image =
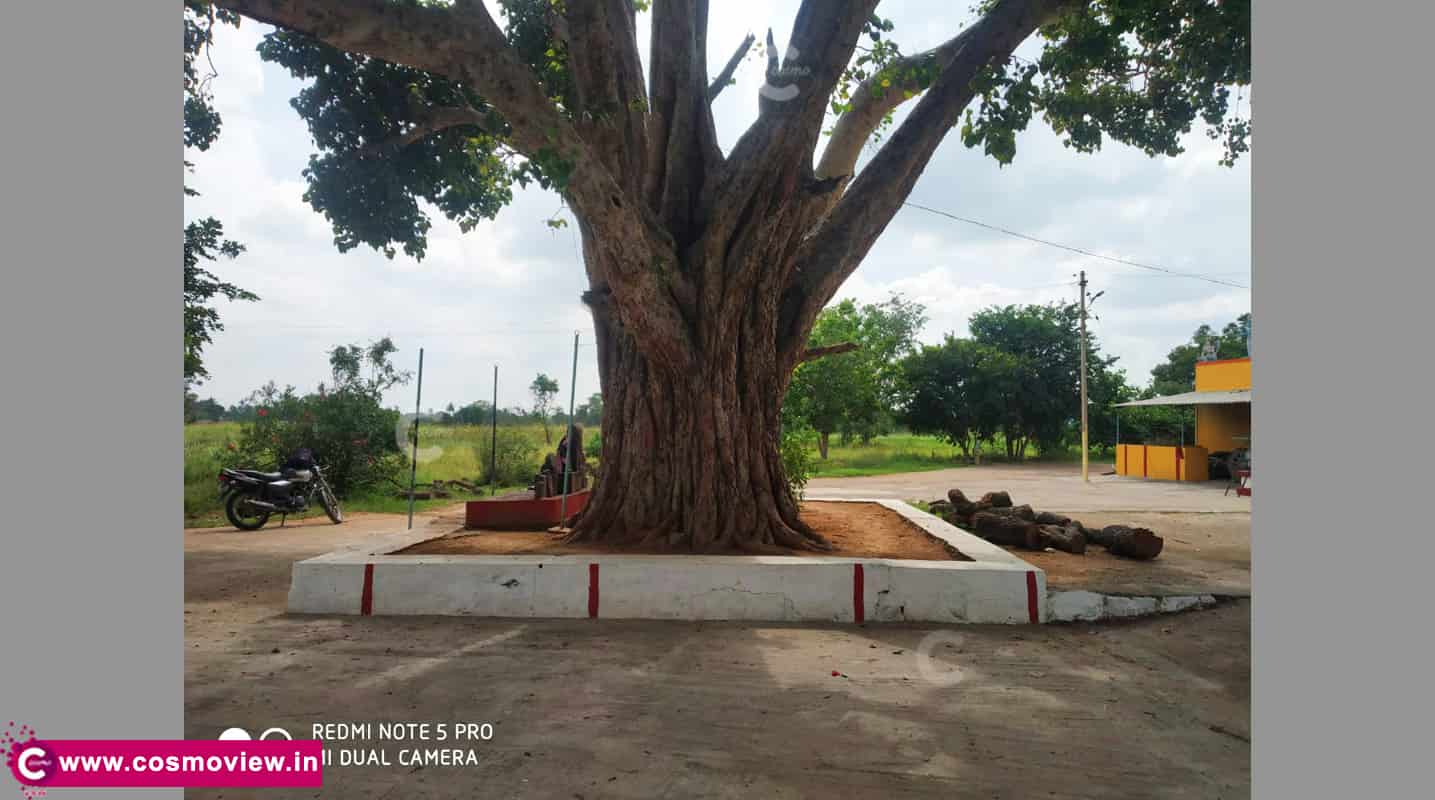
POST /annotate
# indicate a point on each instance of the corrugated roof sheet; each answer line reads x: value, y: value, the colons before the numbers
x: 1195, y: 399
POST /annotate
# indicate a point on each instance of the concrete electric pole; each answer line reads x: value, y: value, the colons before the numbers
x: 1085, y: 476
x: 1085, y: 434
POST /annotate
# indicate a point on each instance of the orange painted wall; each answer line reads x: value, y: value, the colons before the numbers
x: 1224, y: 375
x: 1215, y: 425
x: 1162, y: 463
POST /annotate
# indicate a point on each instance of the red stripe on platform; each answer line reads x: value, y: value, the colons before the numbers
x: 1033, y: 612
x: 366, y: 602
x: 858, y: 594
x: 592, y: 590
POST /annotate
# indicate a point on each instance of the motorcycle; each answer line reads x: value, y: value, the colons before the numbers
x: 251, y: 496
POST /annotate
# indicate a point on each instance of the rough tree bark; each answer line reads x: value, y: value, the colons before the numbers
x: 706, y: 272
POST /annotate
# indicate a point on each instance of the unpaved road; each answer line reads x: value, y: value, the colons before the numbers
x: 1053, y: 487
x: 620, y: 709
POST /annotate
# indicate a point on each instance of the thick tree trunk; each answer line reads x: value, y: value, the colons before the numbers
x: 822, y: 445
x: 693, y: 461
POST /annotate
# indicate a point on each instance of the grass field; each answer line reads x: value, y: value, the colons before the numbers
x: 456, y: 456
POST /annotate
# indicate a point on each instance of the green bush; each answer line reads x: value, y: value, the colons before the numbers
x: 518, y: 457
x: 353, y: 437
x: 593, y: 445
x: 797, y: 447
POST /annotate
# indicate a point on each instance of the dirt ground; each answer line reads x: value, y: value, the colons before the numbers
x: 1158, y: 708
x: 856, y: 530
x: 1203, y: 554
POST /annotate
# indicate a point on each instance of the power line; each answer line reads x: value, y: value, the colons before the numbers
x: 998, y: 229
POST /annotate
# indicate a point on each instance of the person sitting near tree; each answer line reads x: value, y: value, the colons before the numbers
x: 552, y: 471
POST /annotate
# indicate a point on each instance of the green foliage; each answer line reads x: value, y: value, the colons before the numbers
x: 849, y: 393
x: 517, y: 462
x: 593, y: 445
x: 543, y: 389
x: 1016, y: 380
x: 590, y: 411
x: 1178, y: 373
x: 353, y: 437
x: 796, y: 447
x: 960, y: 391
x: 204, y: 241
x: 1046, y: 342
x: 1138, y: 71
x: 201, y: 120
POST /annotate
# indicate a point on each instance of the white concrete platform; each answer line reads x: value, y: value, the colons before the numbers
x: 994, y: 587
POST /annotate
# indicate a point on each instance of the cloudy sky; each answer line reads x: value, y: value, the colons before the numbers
x: 507, y: 292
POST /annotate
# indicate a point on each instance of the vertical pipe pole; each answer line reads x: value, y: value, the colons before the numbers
x: 568, y: 456
x: 493, y: 443
x: 414, y: 465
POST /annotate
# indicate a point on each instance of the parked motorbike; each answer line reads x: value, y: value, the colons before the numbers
x: 251, y: 496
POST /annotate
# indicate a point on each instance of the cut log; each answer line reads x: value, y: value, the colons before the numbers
x: 1069, y: 539
x: 960, y: 502
x: 1101, y: 536
x: 1020, y: 512
x: 940, y: 508
x: 1137, y: 543
x: 1007, y: 530
x: 1048, y: 518
x: 996, y: 499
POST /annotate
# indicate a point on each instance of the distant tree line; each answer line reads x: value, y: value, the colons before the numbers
x: 1012, y: 384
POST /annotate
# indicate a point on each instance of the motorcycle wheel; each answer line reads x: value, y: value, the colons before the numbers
x: 330, y: 502
x: 244, y: 516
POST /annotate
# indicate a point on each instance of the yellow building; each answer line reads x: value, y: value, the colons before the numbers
x: 1223, y: 425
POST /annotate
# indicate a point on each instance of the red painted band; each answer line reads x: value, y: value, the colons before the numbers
x: 592, y: 590
x: 858, y: 595
x: 1222, y: 361
x: 366, y: 602
x: 1033, y: 611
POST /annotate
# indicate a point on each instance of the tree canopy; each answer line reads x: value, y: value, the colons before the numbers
x: 707, y: 270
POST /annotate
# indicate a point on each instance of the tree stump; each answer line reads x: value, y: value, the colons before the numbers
x: 1137, y: 543
x: 1007, y: 530
x: 1069, y: 538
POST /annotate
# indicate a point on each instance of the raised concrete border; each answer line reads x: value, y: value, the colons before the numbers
x: 994, y: 587
x: 1082, y: 606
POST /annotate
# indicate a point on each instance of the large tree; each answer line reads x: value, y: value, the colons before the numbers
x: 706, y: 268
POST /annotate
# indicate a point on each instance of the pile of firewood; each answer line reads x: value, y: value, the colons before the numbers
x: 995, y: 519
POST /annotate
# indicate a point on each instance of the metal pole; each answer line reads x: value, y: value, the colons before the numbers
x: 414, y: 466
x: 568, y: 456
x: 493, y: 444
x: 1085, y: 476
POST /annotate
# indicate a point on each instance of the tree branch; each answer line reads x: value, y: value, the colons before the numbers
x: 436, y: 120
x: 814, y: 353
x: 725, y: 77
x: 872, y: 102
x: 466, y: 45
x: 829, y: 256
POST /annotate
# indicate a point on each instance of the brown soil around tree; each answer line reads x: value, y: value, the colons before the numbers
x: 856, y: 530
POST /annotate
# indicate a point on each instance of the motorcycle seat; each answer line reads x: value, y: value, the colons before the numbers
x: 268, y: 476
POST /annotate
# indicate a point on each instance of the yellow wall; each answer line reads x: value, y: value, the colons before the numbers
x: 1162, y: 463
x: 1215, y: 425
x: 1224, y: 375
